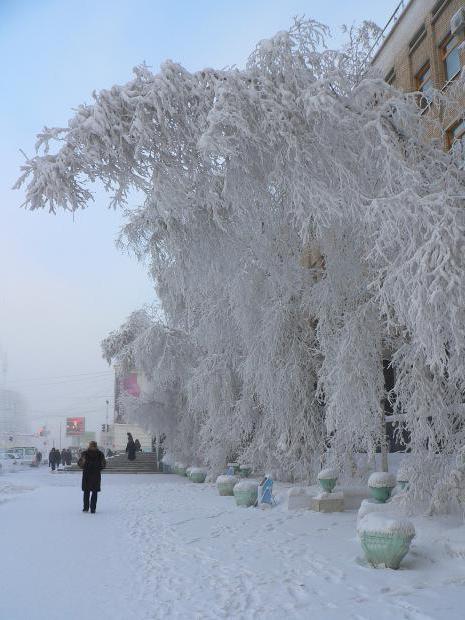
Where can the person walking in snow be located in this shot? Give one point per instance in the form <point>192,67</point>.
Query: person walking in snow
<point>138,446</point>
<point>51,459</point>
<point>63,457</point>
<point>91,461</point>
<point>131,448</point>
<point>57,458</point>
<point>69,457</point>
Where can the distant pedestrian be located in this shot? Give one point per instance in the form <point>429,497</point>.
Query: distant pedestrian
<point>52,459</point>
<point>91,461</point>
<point>131,448</point>
<point>57,458</point>
<point>138,446</point>
<point>39,457</point>
<point>69,457</point>
<point>63,457</point>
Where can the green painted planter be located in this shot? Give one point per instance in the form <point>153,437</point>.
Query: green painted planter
<point>385,548</point>
<point>245,471</point>
<point>327,484</point>
<point>226,484</point>
<point>197,475</point>
<point>246,493</point>
<point>181,470</point>
<point>381,494</point>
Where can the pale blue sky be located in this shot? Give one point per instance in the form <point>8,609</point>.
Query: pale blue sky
<point>63,284</point>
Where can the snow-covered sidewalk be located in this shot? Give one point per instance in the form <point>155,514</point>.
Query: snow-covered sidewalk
<point>161,547</point>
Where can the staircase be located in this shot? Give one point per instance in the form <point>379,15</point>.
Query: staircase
<point>145,463</point>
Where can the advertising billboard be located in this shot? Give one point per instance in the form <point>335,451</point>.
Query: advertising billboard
<point>75,426</point>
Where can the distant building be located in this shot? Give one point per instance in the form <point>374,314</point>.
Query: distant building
<point>423,50</point>
<point>13,417</point>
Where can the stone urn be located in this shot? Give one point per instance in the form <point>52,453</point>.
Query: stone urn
<point>197,474</point>
<point>245,471</point>
<point>225,484</point>
<point>385,540</point>
<point>381,484</point>
<point>327,479</point>
<point>246,493</point>
<point>180,469</point>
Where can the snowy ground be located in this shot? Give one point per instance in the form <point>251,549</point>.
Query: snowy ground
<point>161,547</point>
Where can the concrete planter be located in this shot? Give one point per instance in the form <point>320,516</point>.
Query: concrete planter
<point>246,493</point>
<point>245,471</point>
<point>180,469</point>
<point>385,541</point>
<point>197,474</point>
<point>381,485</point>
<point>226,484</point>
<point>327,479</point>
<point>381,494</point>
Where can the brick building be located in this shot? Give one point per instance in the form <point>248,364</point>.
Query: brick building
<point>424,49</point>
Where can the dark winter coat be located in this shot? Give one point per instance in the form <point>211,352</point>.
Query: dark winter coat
<point>57,457</point>
<point>131,450</point>
<point>138,446</point>
<point>52,459</point>
<point>63,456</point>
<point>69,457</point>
<point>92,462</point>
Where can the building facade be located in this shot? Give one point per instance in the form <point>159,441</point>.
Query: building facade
<point>424,50</point>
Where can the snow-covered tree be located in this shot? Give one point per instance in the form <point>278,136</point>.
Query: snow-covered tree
<point>301,228</point>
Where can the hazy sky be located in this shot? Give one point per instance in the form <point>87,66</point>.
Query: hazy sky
<point>63,284</point>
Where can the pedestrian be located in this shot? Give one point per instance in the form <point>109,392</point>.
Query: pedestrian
<point>138,446</point>
<point>51,459</point>
<point>69,457</point>
<point>63,457</point>
<point>57,458</point>
<point>131,448</point>
<point>39,457</point>
<point>91,461</point>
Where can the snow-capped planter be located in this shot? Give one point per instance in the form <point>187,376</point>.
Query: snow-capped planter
<point>245,471</point>
<point>225,484</point>
<point>180,469</point>
<point>197,474</point>
<point>381,484</point>
<point>403,475</point>
<point>327,479</point>
<point>385,540</point>
<point>246,492</point>
<point>236,467</point>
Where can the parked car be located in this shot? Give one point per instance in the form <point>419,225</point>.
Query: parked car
<point>25,455</point>
<point>8,462</point>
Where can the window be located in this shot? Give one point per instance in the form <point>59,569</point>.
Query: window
<point>390,77</point>
<point>451,58</point>
<point>456,135</point>
<point>456,142</point>
<point>438,7</point>
<point>417,38</point>
<point>424,85</point>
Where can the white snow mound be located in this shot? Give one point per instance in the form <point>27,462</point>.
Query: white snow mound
<point>328,474</point>
<point>197,470</point>
<point>381,479</point>
<point>378,523</point>
<point>245,485</point>
<point>226,478</point>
